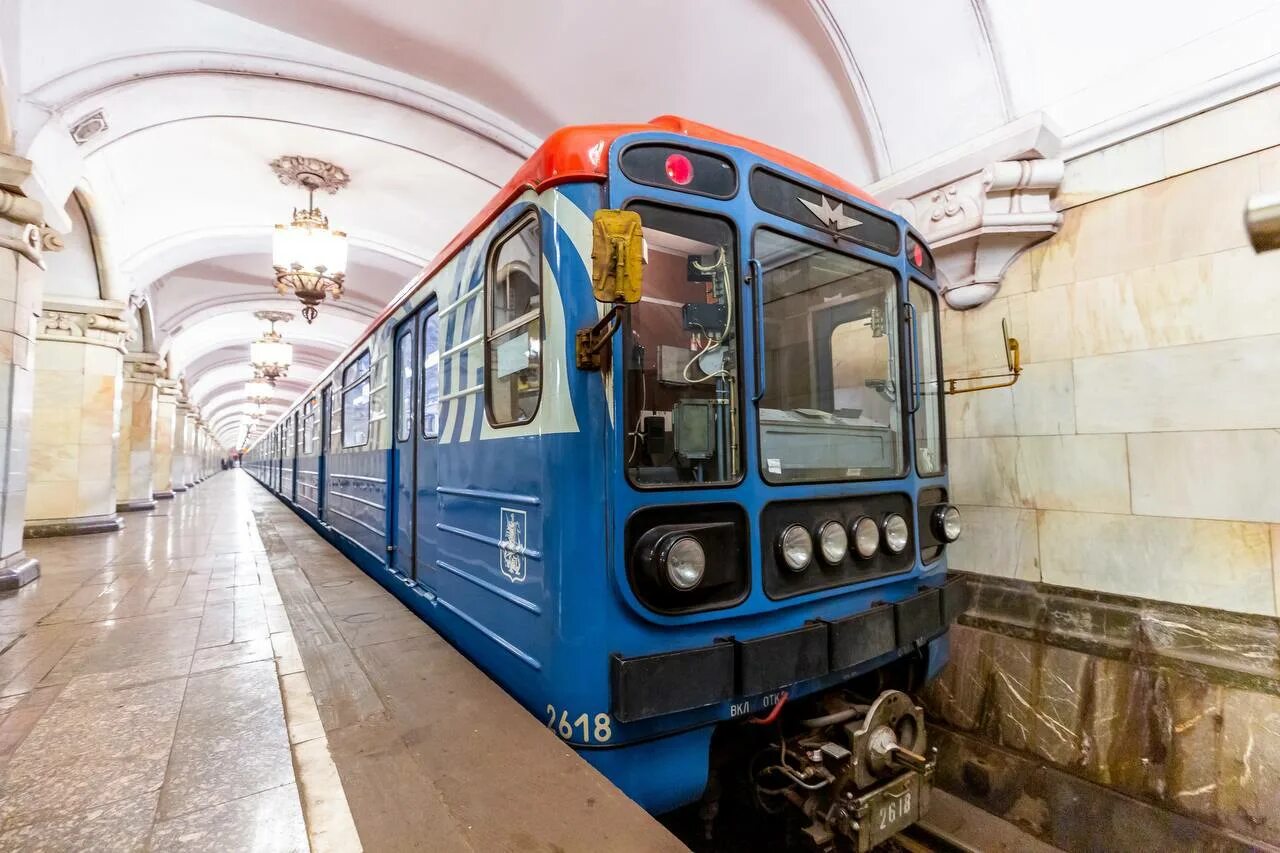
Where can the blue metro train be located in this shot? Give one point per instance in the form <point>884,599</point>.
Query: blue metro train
<point>658,443</point>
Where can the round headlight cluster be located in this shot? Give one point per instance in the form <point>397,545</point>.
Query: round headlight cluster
<point>946,523</point>
<point>866,537</point>
<point>684,563</point>
<point>795,546</point>
<point>833,542</point>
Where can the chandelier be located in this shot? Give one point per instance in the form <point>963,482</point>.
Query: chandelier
<point>270,356</point>
<point>259,390</point>
<point>309,258</point>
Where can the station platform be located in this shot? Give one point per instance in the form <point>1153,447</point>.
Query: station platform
<point>215,676</point>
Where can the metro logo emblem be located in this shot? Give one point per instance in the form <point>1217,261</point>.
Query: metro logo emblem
<point>833,217</point>
<point>511,539</point>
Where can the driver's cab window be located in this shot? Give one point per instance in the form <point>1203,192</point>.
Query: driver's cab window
<point>683,391</point>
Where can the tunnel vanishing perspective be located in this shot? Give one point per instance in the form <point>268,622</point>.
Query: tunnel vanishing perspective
<point>415,440</point>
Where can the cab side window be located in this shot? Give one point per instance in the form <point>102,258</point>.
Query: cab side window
<point>513,325</point>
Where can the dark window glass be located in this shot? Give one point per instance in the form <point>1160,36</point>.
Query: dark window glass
<point>513,375</point>
<point>357,368</point>
<point>309,427</point>
<point>404,399</point>
<point>682,352</point>
<point>814,209</point>
<point>431,377</point>
<point>680,169</point>
<point>355,414</point>
<point>928,380</point>
<point>357,386</point>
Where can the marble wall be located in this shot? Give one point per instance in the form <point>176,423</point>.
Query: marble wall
<point>75,420</point>
<point>21,253</point>
<point>1174,706</point>
<point>162,457</point>
<point>1137,453</point>
<point>135,458</point>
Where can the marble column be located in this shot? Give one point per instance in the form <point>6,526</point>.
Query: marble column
<point>135,454</point>
<point>21,265</point>
<point>162,456</point>
<point>181,442</point>
<point>76,418</point>
<point>193,435</point>
<point>197,460</point>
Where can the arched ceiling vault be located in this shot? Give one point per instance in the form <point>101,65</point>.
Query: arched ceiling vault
<point>168,128</point>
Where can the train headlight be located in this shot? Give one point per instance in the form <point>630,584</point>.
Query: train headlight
<point>833,542</point>
<point>796,547</point>
<point>946,523</point>
<point>684,563</point>
<point>896,533</point>
<point>866,537</point>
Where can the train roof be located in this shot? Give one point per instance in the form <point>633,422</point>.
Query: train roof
<point>581,152</point>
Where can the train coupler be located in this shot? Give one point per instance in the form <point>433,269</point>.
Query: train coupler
<point>859,774</point>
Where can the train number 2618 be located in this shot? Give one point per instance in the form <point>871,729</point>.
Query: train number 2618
<point>597,730</point>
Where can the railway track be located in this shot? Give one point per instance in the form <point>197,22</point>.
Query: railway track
<point>923,838</point>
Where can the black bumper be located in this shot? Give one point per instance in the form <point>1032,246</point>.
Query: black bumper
<point>664,683</point>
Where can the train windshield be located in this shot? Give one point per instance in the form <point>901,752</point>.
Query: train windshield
<point>832,406</point>
<point>682,404</point>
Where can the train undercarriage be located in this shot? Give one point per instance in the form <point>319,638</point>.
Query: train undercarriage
<point>839,772</point>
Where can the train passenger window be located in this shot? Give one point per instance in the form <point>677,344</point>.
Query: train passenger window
<point>404,399</point>
<point>928,381</point>
<point>335,412</point>
<point>513,349</point>
<point>309,427</point>
<point>683,395</point>
<point>431,377</point>
<point>356,387</point>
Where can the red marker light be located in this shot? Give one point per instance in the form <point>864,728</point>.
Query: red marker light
<point>679,169</point>
<point>917,255</point>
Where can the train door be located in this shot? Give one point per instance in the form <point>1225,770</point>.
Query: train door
<point>426,433</point>
<point>417,405</point>
<point>404,475</point>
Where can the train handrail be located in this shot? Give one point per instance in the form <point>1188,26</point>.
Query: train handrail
<point>757,306</point>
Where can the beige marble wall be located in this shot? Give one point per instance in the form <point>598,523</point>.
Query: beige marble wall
<point>76,417</point>
<point>162,461</point>
<point>135,457</point>
<point>1138,453</point>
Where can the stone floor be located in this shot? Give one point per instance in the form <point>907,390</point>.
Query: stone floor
<point>217,677</point>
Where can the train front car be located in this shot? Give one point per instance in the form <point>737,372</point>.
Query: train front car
<point>778,491</point>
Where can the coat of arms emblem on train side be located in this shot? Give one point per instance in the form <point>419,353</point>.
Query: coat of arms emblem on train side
<point>833,217</point>
<point>511,545</point>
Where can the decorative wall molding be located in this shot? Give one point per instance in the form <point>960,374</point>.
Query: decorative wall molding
<point>20,217</point>
<point>169,390</point>
<point>50,240</point>
<point>981,205</point>
<point>64,325</point>
<point>144,368</point>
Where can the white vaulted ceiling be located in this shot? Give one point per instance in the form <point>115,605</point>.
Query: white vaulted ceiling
<point>431,105</point>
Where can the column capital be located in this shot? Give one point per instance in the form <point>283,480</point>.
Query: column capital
<point>981,205</point>
<point>20,217</point>
<point>91,322</point>
<point>144,368</point>
<point>170,390</point>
